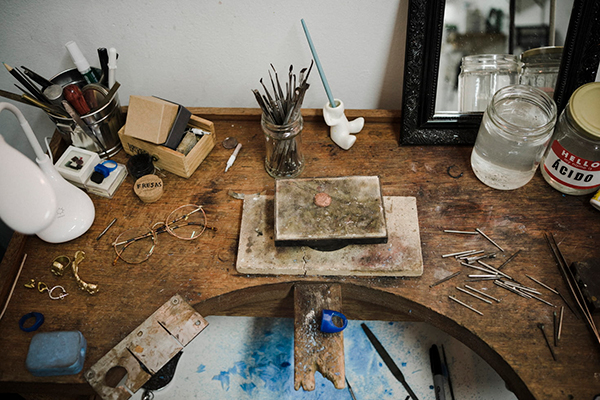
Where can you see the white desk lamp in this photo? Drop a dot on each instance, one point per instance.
(39, 200)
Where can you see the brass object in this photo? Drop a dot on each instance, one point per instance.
(41, 287)
(59, 265)
(91, 288)
(30, 284)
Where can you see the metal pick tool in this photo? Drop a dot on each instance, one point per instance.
(388, 360)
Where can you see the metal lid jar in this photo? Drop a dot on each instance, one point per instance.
(482, 76)
(540, 68)
(572, 162)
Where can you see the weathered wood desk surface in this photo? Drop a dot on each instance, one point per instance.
(203, 271)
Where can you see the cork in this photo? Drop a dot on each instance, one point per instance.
(149, 188)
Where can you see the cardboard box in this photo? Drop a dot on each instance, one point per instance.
(150, 118)
(171, 160)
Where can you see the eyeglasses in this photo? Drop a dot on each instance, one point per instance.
(136, 245)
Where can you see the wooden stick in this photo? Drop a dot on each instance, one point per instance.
(13, 286)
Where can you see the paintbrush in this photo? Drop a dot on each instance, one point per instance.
(25, 82)
(27, 99)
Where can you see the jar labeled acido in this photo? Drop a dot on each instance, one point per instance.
(514, 133)
(572, 162)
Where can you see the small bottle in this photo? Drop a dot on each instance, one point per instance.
(540, 68)
(83, 66)
(572, 162)
(483, 75)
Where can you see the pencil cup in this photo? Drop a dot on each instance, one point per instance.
(103, 123)
(284, 158)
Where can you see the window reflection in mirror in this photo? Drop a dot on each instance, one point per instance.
(483, 27)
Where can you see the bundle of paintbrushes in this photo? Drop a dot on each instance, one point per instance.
(282, 111)
(282, 108)
(32, 95)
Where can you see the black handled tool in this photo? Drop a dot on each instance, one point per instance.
(388, 360)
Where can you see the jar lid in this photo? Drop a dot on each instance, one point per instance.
(542, 53)
(584, 105)
(490, 61)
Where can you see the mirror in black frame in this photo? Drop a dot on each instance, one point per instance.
(421, 124)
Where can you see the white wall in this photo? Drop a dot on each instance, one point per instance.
(208, 53)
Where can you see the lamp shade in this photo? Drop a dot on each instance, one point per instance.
(28, 202)
(39, 200)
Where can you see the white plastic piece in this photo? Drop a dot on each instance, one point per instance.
(340, 128)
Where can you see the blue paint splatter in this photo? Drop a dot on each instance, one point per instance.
(201, 368)
(404, 364)
(248, 387)
(431, 387)
(285, 364)
(223, 377)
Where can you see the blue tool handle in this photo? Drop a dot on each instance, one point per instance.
(319, 67)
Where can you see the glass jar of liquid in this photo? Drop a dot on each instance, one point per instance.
(572, 162)
(514, 133)
(483, 75)
(540, 68)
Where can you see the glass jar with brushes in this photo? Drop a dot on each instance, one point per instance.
(282, 123)
(284, 157)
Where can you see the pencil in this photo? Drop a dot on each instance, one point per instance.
(25, 82)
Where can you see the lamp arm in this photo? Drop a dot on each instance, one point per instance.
(39, 153)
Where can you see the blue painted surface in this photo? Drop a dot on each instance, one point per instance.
(253, 358)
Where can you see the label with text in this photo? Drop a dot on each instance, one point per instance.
(571, 170)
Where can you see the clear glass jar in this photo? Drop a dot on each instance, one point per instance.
(483, 75)
(514, 133)
(540, 68)
(572, 162)
(284, 157)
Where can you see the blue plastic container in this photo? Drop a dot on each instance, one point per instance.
(56, 353)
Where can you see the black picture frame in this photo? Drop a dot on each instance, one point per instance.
(421, 126)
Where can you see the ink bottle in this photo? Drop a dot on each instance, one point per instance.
(572, 161)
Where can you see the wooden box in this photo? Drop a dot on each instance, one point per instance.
(171, 160)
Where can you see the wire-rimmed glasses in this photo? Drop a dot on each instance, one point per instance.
(136, 245)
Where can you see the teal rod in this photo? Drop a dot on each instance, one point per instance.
(319, 67)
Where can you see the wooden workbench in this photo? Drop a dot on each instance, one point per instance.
(448, 195)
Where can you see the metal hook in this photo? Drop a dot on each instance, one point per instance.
(60, 296)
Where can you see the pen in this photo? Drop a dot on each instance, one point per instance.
(40, 80)
(112, 66)
(233, 157)
(436, 370)
(103, 58)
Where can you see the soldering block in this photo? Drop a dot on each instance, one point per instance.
(56, 353)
